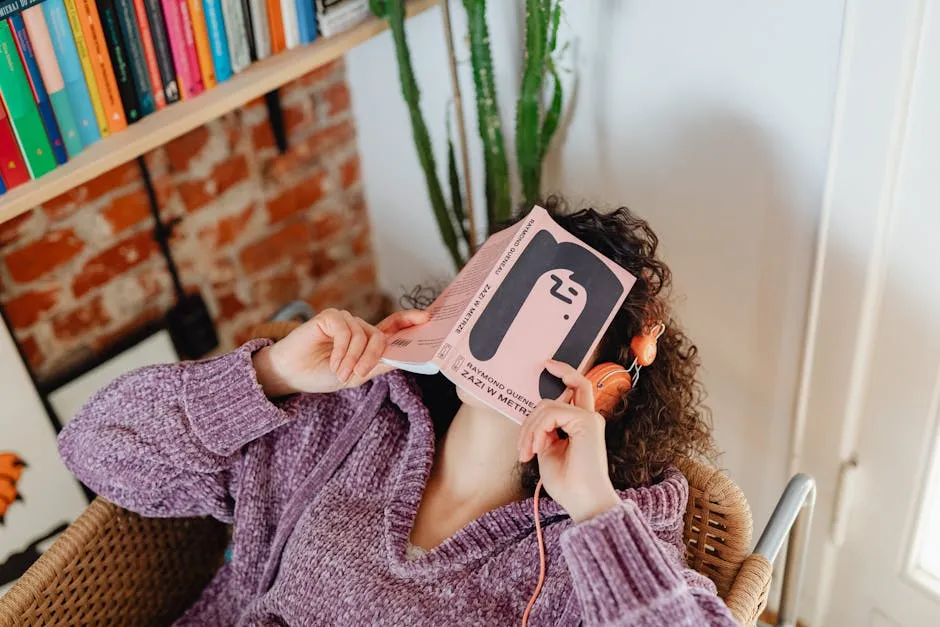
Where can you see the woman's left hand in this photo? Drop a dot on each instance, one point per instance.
(573, 469)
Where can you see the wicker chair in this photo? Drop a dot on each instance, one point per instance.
(114, 567)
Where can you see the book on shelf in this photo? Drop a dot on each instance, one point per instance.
(306, 21)
(70, 65)
(184, 54)
(218, 41)
(337, 16)
(291, 26)
(150, 55)
(161, 49)
(137, 61)
(51, 77)
(275, 25)
(21, 108)
(100, 59)
(38, 89)
(12, 166)
(201, 38)
(236, 32)
(260, 30)
(3, 188)
(249, 31)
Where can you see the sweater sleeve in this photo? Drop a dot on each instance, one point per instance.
(623, 575)
(165, 440)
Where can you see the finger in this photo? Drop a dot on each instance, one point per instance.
(402, 320)
(373, 351)
(334, 326)
(357, 344)
(525, 434)
(572, 420)
(577, 382)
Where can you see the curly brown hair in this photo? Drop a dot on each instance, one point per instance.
(662, 419)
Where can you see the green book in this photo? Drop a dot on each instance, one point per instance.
(21, 107)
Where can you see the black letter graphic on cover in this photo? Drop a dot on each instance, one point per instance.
(543, 254)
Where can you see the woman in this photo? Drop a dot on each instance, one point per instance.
(360, 496)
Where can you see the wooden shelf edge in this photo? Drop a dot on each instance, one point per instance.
(177, 119)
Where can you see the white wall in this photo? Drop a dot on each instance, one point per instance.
(710, 119)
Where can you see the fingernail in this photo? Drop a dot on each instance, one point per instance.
(344, 375)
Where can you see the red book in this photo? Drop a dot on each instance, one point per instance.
(12, 167)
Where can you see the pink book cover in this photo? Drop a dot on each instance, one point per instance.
(186, 72)
(194, 86)
(532, 292)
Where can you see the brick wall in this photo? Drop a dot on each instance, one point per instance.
(257, 230)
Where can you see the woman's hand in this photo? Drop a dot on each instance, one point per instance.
(574, 469)
(331, 351)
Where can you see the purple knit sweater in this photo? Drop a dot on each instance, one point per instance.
(201, 438)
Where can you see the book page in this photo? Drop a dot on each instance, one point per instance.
(420, 344)
(549, 296)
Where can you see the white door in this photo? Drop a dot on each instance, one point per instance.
(873, 388)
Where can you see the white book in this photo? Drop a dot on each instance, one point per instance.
(260, 28)
(291, 27)
(236, 31)
(337, 18)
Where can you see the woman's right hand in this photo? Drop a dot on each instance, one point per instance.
(331, 351)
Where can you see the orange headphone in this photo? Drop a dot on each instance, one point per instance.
(609, 381)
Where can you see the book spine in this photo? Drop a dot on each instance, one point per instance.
(196, 86)
(249, 31)
(70, 65)
(306, 21)
(41, 42)
(174, 32)
(12, 166)
(117, 50)
(87, 14)
(291, 27)
(150, 55)
(203, 49)
(234, 19)
(3, 188)
(218, 42)
(260, 31)
(275, 25)
(21, 108)
(9, 8)
(134, 55)
(161, 46)
(40, 94)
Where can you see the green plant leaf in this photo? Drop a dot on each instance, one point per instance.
(456, 197)
(528, 139)
(552, 115)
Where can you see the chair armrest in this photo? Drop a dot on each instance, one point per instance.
(791, 519)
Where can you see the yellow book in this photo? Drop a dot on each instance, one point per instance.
(201, 35)
(87, 69)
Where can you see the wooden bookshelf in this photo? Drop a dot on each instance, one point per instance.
(175, 120)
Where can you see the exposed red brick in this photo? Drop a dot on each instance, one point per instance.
(227, 229)
(326, 225)
(364, 275)
(65, 205)
(196, 194)
(321, 264)
(126, 211)
(336, 97)
(230, 305)
(328, 295)
(182, 150)
(277, 290)
(31, 351)
(321, 73)
(13, 229)
(113, 261)
(362, 243)
(297, 198)
(331, 137)
(44, 255)
(349, 172)
(262, 136)
(83, 320)
(291, 242)
(294, 119)
(103, 341)
(26, 309)
(153, 282)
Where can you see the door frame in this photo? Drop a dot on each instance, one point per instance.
(879, 56)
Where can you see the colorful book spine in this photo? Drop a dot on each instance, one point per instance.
(41, 42)
(3, 188)
(189, 42)
(218, 42)
(201, 37)
(249, 31)
(12, 167)
(306, 21)
(22, 111)
(291, 27)
(260, 31)
(161, 47)
(275, 26)
(235, 31)
(133, 52)
(100, 59)
(9, 8)
(184, 56)
(150, 55)
(76, 87)
(40, 94)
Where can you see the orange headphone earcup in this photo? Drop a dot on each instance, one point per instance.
(610, 382)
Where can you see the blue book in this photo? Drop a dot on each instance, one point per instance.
(306, 21)
(39, 90)
(218, 41)
(3, 187)
(71, 67)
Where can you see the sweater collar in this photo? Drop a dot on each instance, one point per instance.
(662, 504)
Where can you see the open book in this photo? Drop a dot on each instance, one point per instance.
(531, 293)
